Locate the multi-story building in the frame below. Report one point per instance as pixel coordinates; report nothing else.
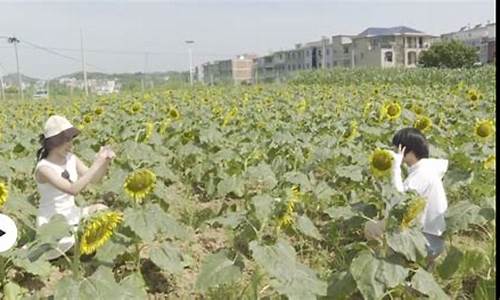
(389, 47)
(237, 70)
(482, 37)
(341, 53)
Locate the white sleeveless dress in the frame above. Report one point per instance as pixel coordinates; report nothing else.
(54, 201)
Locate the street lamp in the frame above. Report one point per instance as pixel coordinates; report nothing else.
(190, 53)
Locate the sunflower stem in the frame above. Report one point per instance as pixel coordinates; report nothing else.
(137, 258)
(3, 267)
(76, 258)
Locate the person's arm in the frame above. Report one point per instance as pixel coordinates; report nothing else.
(46, 174)
(82, 169)
(397, 179)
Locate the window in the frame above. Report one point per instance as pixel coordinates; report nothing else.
(327, 51)
(362, 55)
(307, 53)
(420, 42)
(388, 56)
(328, 65)
(346, 50)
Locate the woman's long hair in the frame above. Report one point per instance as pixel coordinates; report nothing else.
(43, 152)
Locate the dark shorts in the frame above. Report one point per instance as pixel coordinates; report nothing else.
(434, 244)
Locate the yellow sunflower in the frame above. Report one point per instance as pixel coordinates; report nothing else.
(381, 162)
(146, 133)
(489, 163)
(352, 131)
(173, 113)
(413, 210)
(230, 116)
(473, 95)
(287, 217)
(98, 229)
(391, 111)
(98, 111)
(302, 106)
(4, 193)
(136, 107)
(139, 184)
(484, 129)
(423, 123)
(87, 119)
(417, 109)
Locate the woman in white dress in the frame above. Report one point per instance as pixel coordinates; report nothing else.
(61, 175)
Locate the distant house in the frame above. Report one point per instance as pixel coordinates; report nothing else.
(238, 70)
(374, 47)
(389, 47)
(482, 37)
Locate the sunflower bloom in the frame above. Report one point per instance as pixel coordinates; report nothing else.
(287, 217)
(230, 116)
(302, 106)
(139, 184)
(352, 132)
(98, 111)
(489, 164)
(381, 162)
(146, 133)
(484, 129)
(417, 109)
(423, 123)
(413, 210)
(473, 95)
(173, 113)
(392, 111)
(97, 230)
(4, 193)
(87, 119)
(136, 107)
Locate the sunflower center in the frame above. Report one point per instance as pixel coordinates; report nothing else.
(382, 161)
(484, 130)
(392, 110)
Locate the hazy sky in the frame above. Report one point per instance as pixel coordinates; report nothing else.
(220, 29)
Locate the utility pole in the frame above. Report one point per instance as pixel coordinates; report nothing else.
(190, 54)
(14, 40)
(2, 91)
(48, 88)
(83, 66)
(144, 80)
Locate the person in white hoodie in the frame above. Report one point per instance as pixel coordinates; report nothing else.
(424, 177)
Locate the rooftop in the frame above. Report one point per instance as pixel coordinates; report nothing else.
(379, 31)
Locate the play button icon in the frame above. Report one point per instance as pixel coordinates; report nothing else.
(8, 233)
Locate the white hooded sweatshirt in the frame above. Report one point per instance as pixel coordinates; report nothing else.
(425, 177)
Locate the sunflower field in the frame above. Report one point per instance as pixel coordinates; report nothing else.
(260, 192)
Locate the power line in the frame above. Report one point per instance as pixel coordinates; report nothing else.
(51, 51)
(140, 53)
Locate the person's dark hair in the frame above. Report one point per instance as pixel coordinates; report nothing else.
(47, 144)
(43, 152)
(413, 140)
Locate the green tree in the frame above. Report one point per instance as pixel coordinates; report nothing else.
(449, 54)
